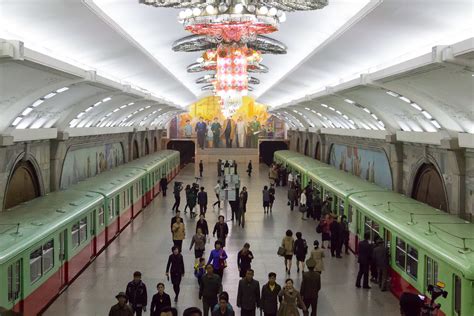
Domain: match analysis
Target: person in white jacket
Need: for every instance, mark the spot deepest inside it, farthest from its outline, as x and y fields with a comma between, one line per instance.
x=303, y=204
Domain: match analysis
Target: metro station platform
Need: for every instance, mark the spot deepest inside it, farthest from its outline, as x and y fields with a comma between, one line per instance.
x=145, y=245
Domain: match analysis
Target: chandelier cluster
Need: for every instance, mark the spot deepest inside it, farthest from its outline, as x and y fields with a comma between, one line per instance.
x=231, y=34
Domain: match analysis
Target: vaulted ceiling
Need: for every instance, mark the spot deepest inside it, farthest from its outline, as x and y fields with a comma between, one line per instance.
x=115, y=59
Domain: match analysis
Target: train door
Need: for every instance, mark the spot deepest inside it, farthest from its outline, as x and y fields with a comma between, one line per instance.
x=388, y=241
x=130, y=198
x=117, y=212
x=15, y=285
x=143, y=191
x=63, y=273
x=457, y=295
x=93, y=228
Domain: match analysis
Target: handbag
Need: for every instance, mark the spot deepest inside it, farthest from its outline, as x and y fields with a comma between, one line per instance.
x=281, y=251
x=302, y=208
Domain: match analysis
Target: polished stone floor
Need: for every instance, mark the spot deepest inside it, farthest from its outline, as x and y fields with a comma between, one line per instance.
x=145, y=245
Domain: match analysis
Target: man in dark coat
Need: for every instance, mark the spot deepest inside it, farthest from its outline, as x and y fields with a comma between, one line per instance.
x=221, y=229
x=164, y=184
x=380, y=258
x=243, y=197
x=121, y=308
x=136, y=294
x=201, y=168
x=210, y=287
x=310, y=287
x=365, y=254
x=269, y=298
x=175, y=268
x=202, y=201
x=201, y=130
x=248, y=295
x=202, y=223
x=336, y=238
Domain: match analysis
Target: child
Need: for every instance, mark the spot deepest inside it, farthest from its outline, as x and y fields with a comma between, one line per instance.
x=200, y=269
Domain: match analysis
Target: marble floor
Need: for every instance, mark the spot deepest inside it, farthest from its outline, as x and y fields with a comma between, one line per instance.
x=145, y=245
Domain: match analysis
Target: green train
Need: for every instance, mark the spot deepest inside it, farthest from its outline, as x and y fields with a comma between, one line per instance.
x=47, y=242
x=426, y=245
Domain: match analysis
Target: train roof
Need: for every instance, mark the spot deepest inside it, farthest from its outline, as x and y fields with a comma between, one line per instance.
x=152, y=161
x=447, y=236
x=28, y=223
x=285, y=154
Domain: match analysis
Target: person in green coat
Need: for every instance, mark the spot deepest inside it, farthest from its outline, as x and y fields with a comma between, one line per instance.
x=254, y=128
x=216, y=132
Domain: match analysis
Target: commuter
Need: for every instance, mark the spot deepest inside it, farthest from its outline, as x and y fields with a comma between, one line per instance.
x=210, y=287
x=266, y=199
x=292, y=197
x=136, y=294
x=291, y=300
x=243, y=197
x=191, y=197
x=229, y=307
x=317, y=205
x=221, y=229
x=223, y=307
x=249, y=168
x=192, y=311
x=284, y=176
x=200, y=270
x=234, y=206
x=179, y=233
x=164, y=184
x=175, y=267
x=269, y=298
x=309, y=202
x=345, y=234
x=326, y=231
x=202, y=224
x=288, y=243
x=380, y=257
x=365, y=254
x=310, y=287
x=199, y=243
x=301, y=250
x=303, y=201
x=411, y=304
x=273, y=174
x=178, y=187
x=326, y=207
x=218, y=258
x=168, y=311
x=202, y=201
x=248, y=294
x=160, y=300
x=201, y=129
x=201, y=168
x=291, y=178
x=336, y=237
x=121, y=308
x=217, y=190
x=317, y=254
x=174, y=219
x=187, y=195
x=244, y=260
x=272, y=192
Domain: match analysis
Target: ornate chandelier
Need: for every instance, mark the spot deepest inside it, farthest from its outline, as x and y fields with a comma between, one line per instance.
x=230, y=32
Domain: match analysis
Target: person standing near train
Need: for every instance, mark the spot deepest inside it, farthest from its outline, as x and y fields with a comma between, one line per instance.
x=164, y=184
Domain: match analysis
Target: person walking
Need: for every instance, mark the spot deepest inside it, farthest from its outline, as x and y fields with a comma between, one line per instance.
x=202, y=201
x=201, y=129
x=301, y=249
x=345, y=235
x=211, y=286
x=266, y=199
x=175, y=268
x=303, y=204
x=201, y=168
x=178, y=187
x=244, y=260
x=288, y=243
x=164, y=184
x=291, y=300
x=248, y=294
x=269, y=298
x=217, y=190
x=272, y=192
x=174, y=219
x=221, y=230
x=309, y=202
x=159, y=300
x=202, y=224
x=317, y=254
x=216, y=132
x=136, y=294
x=249, y=168
x=381, y=259
x=224, y=295
x=310, y=287
x=292, y=197
x=365, y=255
x=199, y=243
x=336, y=238
x=222, y=309
x=179, y=233
x=325, y=224
x=121, y=308
x=243, y=197
x=191, y=197
x=291, y=178
x=200, y=270
x=218, y=258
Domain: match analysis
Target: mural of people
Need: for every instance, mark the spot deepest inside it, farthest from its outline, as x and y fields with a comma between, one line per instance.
x=188, y=129
x=254, y=129
x=201, y=130
x=241, y=131
x=210, y=135
x=229, y=131
x=216, y=131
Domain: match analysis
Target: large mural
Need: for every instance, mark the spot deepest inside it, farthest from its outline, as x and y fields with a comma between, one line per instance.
x=368, y=164
x=83, y=163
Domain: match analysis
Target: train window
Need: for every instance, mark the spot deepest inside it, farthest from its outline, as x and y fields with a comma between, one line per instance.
x=407, y=258
x=48, y=256
x=111, y=208
x=340, y=208
x=350, y=214
x=35, y=265
x=83, y=230
x=400, y=253
x=14, y=284
x=412, y=262
x=457, y=295
x=431, y=271
x=75, y=235
x=101, y=216
x=371, y=227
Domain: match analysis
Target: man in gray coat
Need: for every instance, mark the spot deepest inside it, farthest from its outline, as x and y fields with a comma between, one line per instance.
x=310, y=287
x=248, y=295
x=269, y=299
x=380, y=256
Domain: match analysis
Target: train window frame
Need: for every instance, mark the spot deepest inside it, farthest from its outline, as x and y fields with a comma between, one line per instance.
x=36, y=260
x=408, y=257
x=83, y=230
x=372, y=227
x=75, y=240
x=431, y=271
x=457, y=292
x=14, y=281
x=48, y=254
x=101, y=216
x=111, y=208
